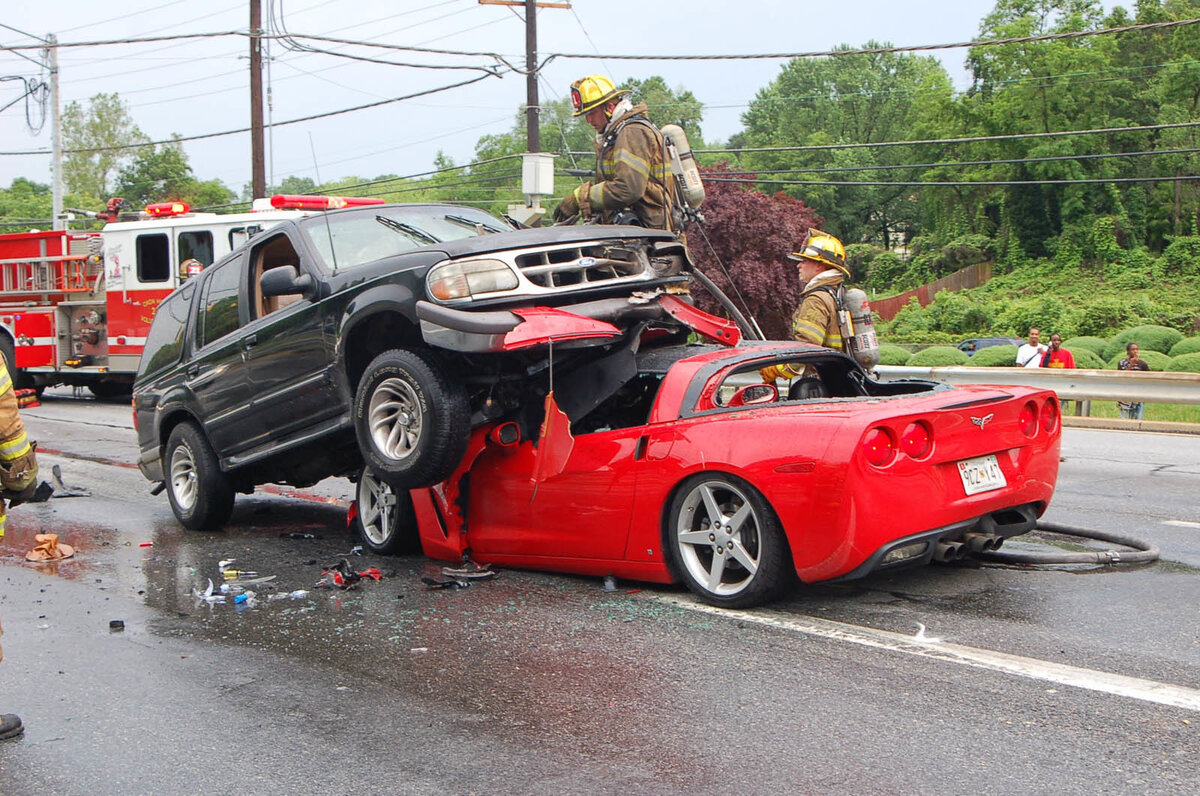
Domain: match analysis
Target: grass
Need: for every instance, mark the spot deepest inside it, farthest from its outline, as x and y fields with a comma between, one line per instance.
x=1172, y=413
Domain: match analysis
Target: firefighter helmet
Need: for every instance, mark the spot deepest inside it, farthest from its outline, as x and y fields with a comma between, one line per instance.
x=589, y=93
x=823, y=248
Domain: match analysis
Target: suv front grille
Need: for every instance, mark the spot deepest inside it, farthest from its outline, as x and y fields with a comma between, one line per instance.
x=582, y=266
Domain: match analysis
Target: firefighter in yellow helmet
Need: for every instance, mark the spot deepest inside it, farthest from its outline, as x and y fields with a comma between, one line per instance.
x=821, y=264
x=633, y=182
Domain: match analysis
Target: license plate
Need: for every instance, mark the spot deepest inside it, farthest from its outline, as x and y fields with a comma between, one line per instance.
x=981, y=474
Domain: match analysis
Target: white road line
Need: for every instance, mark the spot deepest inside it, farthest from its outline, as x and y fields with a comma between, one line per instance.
x=1133, y=687
x=1182, y=523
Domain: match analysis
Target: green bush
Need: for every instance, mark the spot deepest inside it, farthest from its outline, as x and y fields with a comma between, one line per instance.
x=1188, y=363
x=1188, y=345
x=1085, y=358
x=893, y=355
x=937, y=356
x=884, y=270
x=995, y=356
x=1093, y=344
x=1182, y=257
x=1155, y=359
x=1148, y=338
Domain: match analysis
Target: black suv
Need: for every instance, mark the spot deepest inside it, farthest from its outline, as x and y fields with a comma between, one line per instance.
x=379, y=336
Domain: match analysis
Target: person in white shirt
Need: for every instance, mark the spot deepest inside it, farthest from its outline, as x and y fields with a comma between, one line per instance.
x=1030, y=355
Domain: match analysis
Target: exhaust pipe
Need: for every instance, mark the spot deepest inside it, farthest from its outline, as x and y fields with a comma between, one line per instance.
x=982, y=542
x=948, y=551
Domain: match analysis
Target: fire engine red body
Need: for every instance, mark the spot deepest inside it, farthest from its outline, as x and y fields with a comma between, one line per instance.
x=75, y=306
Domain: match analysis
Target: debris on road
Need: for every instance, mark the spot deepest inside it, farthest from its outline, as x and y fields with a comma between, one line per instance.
x=341, y=575
x=61, y=490
x=470, y=571
x=49, y=549
x=116, y=625
x=434, y=583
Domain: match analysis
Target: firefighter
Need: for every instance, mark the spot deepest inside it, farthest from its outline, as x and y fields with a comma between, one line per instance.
x=633, y=181
x=821, y=264
x=18, y=472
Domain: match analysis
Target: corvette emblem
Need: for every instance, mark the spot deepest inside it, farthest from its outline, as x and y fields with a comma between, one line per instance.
x=983, y=421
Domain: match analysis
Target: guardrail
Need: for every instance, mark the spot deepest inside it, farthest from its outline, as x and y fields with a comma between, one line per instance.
x=1075, y=385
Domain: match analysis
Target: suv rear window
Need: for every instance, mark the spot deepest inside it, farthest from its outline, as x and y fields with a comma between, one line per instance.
x=165, y=341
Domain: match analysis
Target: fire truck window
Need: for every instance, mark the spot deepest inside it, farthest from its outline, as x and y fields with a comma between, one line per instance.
x=153, y=258
x=165, y=341
x=219, y=305
x=196, y=246
x=239, y=235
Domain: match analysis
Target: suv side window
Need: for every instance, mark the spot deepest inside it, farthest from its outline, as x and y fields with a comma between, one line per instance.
x=164, y=343
x=219, y=303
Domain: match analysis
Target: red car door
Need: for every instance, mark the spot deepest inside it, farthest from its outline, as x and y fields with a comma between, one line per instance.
x=581, y=512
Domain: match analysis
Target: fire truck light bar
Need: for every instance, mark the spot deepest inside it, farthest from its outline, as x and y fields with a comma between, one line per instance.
x=298, y=202
x=168, y=209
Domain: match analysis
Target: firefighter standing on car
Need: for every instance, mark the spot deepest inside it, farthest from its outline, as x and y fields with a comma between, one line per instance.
x=633, y=179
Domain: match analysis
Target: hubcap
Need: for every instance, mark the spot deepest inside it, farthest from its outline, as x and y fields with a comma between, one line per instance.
x=376, y=508
x=183, y=477
x=717, y=535
x=394, y=418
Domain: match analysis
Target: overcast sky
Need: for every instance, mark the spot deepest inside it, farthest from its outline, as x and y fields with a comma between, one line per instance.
x=201, y=86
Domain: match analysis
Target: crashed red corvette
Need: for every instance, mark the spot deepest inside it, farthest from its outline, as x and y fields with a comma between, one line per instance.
x=676, y=463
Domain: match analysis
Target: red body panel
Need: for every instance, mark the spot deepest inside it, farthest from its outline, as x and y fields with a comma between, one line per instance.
x=129, y=316
x=604, y=513
x=35, y=336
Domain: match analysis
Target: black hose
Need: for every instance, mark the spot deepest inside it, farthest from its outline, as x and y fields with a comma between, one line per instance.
x=1143, y=551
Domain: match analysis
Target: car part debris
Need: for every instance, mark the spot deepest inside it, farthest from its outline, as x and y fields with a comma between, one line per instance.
x=298, y=594
x=299, y=535
x=343, y=576
x=470, y=571
x=208, y=596
x=61, y=490
x=434, y=584
x=49, y=549
x=116, y=625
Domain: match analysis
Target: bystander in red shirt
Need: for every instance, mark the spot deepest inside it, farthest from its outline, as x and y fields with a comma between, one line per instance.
x=1056, y=356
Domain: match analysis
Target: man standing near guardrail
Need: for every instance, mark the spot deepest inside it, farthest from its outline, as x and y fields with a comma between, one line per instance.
x=1057, y=356
x=1132, y=410
x=1030, y=355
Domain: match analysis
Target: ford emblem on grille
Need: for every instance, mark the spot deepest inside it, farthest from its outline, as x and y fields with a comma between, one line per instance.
x=982, y=421
x=587, y=262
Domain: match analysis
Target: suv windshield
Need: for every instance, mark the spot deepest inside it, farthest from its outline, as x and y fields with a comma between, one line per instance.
x=349, y=239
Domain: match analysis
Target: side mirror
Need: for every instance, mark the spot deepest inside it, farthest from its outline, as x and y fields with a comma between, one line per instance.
x=285, y=280
x=755, y=394
x=506, y=435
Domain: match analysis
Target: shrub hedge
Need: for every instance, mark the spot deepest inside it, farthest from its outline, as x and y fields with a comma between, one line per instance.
x=1188, y=345
x=938, y=356
x=1188, y=363
x=1094, y=344
x=1087, y=359
x=994, y=356
x=1155, y=359
x=1148, y=338
x=893, y=355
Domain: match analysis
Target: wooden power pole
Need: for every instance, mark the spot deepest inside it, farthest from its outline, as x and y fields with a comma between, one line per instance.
x=258, y=181
x=532, y=107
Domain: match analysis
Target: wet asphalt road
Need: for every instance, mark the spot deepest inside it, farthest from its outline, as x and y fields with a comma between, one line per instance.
x=545, y=683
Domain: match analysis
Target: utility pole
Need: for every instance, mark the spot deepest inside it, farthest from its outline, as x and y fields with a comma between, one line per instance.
x=258, y=180
x=55, y=135
x=532, y=107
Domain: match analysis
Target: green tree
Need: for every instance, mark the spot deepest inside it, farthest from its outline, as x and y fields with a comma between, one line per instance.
x=162, y=174
x=96, y=141
x=850, y=99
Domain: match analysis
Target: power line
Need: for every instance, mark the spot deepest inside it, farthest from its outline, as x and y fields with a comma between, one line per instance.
x=1078, y=34
x=962, y=140
x=959, y=184
x=327, y=114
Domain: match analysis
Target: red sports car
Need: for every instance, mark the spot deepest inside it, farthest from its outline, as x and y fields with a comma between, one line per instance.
x=678, y=463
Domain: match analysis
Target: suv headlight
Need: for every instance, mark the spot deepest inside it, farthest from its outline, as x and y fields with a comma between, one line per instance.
x=458, y=280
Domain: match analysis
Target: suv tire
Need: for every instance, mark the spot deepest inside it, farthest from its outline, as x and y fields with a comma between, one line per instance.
x=200, y=494
x=411, y=420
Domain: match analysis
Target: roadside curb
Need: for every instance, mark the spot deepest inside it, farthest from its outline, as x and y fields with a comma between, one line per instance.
x=1121, y=424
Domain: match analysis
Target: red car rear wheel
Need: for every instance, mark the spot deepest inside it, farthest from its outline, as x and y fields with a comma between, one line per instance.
x=725, y=542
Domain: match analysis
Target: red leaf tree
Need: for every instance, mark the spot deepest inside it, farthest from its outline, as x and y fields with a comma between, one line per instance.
x=746, y=237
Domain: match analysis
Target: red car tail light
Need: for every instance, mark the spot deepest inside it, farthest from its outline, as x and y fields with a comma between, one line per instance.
x=1028, y=419
x=1050, y=416
x=879, y=447
x=917, y=440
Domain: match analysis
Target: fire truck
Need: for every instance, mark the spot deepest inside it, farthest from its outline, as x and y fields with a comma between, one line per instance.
x=75, y=306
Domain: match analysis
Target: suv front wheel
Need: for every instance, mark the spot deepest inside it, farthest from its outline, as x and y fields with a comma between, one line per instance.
x=412, y=421
x=200, y=494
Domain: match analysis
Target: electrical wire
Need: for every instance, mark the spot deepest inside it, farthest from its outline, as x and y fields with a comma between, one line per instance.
x=1076, y=34
x=958, y=184
x=327, y=114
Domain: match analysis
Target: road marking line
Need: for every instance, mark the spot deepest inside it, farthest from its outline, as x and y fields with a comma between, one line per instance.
x=1033, y=668
x=1182, y=523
